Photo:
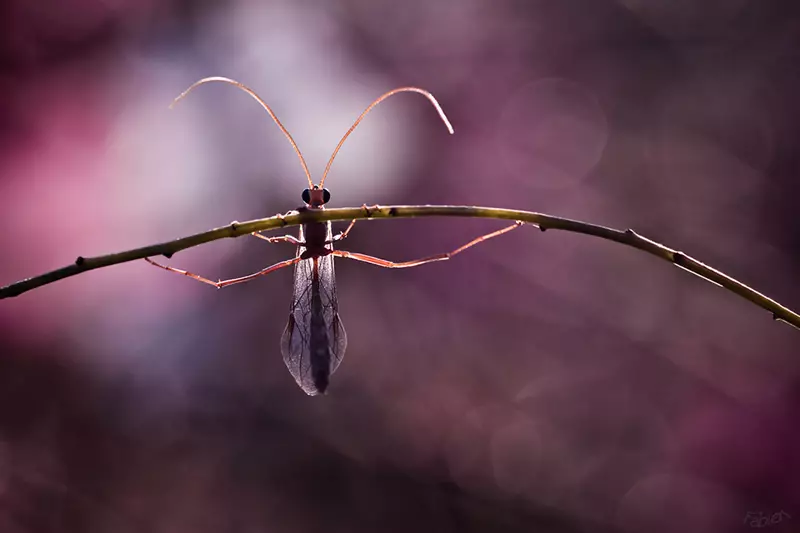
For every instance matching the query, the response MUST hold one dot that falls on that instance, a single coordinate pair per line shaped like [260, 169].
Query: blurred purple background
[539, 382]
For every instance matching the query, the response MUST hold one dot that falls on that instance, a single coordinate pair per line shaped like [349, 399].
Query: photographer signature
[761, 519]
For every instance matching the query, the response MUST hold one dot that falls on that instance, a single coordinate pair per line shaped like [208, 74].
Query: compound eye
[326, 196]
[307, 196]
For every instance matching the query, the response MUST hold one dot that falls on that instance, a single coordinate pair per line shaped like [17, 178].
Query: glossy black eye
[307, 196]
[326, 196]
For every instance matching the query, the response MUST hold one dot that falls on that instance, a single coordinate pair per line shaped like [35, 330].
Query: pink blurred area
[540, 381]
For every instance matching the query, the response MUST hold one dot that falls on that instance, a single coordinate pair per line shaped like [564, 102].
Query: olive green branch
[294, 218]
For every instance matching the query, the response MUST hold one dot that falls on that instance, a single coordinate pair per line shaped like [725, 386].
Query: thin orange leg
[294, 240]
[283, 238]
[417, 262]
[343, 234]
[224, 283]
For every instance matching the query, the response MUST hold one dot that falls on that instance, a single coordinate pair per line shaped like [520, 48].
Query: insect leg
[430, 259]
[343, 235]
[283, 238]
[276, 266]
[224, 283]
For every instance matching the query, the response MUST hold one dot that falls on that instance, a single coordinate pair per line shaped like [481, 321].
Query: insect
[314, 340]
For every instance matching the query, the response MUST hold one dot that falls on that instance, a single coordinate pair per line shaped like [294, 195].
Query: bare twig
[543, 222]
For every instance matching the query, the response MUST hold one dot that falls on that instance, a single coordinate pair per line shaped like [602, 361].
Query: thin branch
[543, 222]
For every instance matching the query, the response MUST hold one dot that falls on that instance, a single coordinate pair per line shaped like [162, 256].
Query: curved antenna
[252, 93]
[380, 99]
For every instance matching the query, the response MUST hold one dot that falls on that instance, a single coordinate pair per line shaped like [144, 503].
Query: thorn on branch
[776, 318]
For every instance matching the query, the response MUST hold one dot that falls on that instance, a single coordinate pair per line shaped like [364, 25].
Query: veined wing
[314, 340]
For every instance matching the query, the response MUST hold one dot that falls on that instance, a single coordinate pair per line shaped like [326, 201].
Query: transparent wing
[314, 340]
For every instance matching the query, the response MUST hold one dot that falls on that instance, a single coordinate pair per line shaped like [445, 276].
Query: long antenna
[380, 99]
[252, 93]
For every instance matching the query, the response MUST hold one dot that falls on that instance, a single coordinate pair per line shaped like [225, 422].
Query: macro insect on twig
[314, 340]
